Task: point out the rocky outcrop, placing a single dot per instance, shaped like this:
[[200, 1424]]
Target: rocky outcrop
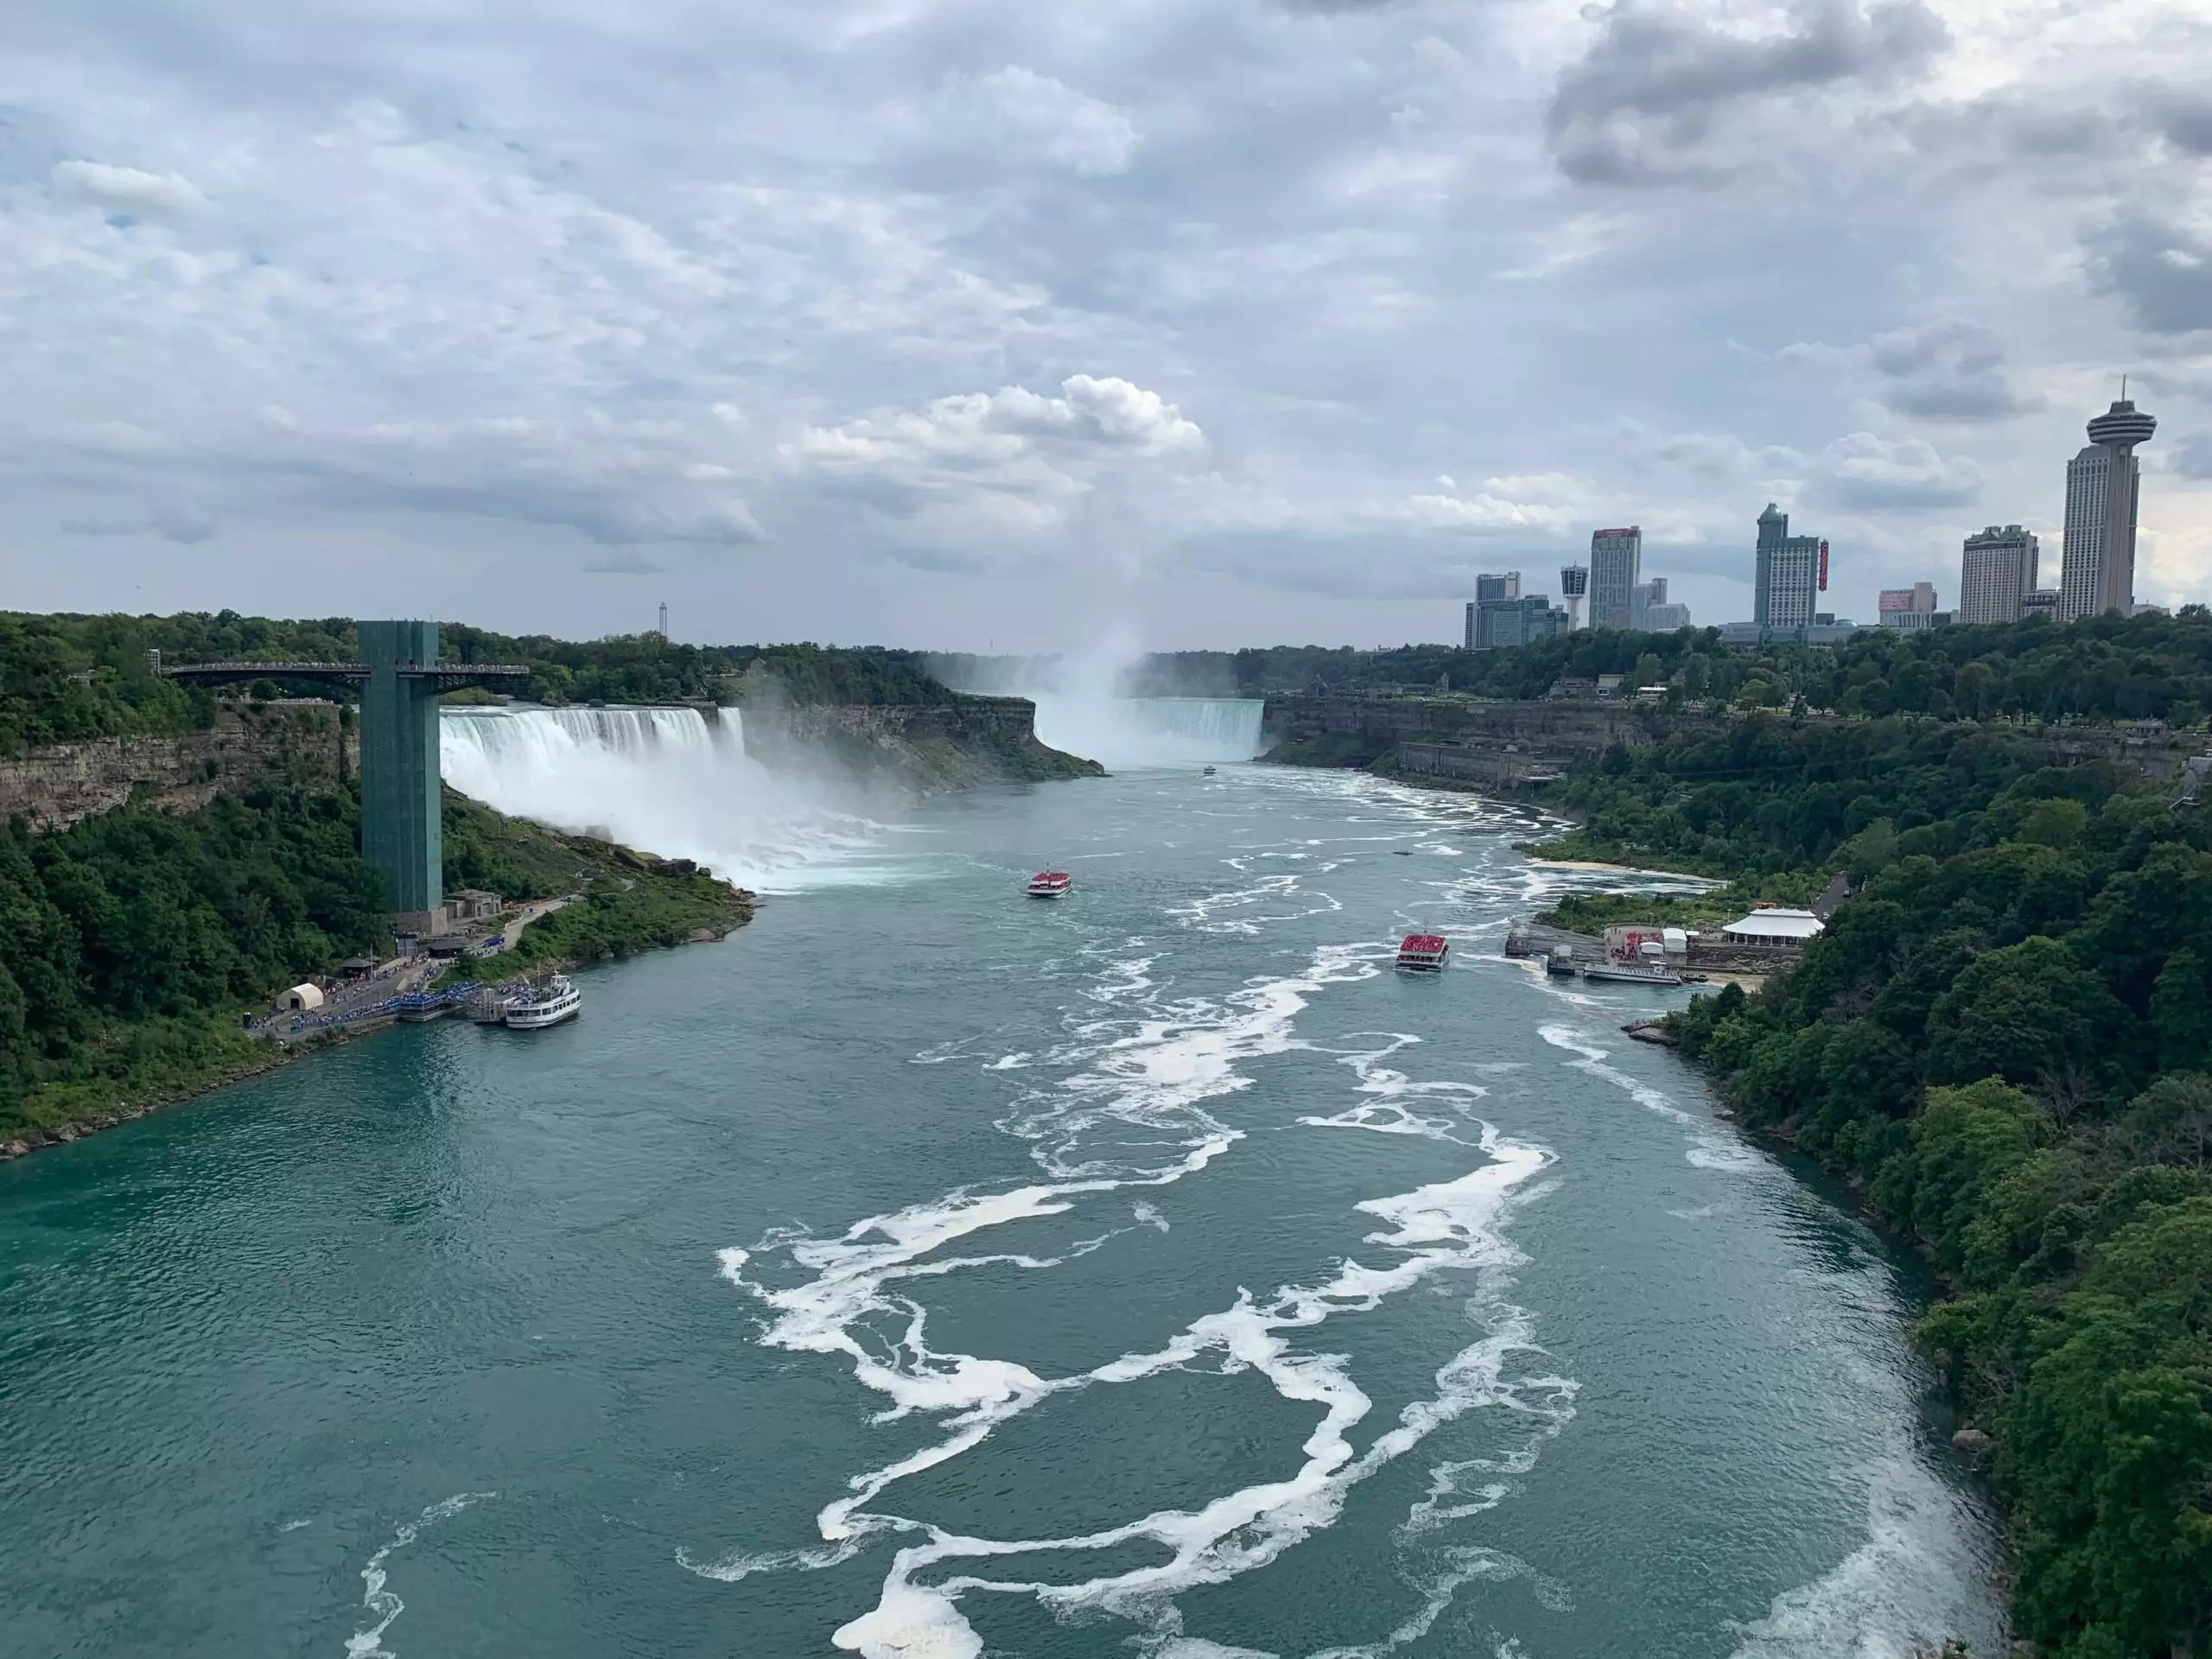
[[53, 787], [928, 748]]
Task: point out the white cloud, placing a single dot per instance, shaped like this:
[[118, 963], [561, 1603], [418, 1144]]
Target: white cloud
[[127, 189], [1016, 453], [1864, 471], [1038, 115]]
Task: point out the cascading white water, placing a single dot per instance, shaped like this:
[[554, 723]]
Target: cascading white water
[[1124, 732], [662, 780]]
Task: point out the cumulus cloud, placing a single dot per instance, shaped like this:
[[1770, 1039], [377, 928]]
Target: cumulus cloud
[[1948, 370], [2193, 458], [1540, 502], [2160, 271], [1644, 104], [1868, 473], [1046, 117], [1022, 455], [126, 189]]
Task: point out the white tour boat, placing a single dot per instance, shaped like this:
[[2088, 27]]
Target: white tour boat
[[536, 1006], [1050, 884]]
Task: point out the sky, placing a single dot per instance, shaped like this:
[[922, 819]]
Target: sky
[[978, 325]]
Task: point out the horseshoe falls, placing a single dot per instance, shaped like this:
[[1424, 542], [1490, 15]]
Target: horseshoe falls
[[1131, 732]]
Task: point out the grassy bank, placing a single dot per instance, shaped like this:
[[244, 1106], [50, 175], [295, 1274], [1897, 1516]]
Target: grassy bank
[[133, 946]]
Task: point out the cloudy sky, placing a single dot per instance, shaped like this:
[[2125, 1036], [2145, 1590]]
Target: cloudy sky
[[972, 323]]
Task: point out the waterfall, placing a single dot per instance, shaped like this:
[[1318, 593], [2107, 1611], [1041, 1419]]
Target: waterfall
[[662, 780], [1126, 732]]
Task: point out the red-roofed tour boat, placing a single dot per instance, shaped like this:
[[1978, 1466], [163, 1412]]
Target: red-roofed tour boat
[[1423, 953], [1050, 884]]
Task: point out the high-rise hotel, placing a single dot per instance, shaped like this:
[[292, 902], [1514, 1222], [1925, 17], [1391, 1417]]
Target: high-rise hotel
[[1615, 563], [2104, 485], [1996, 574], [1791, 569]]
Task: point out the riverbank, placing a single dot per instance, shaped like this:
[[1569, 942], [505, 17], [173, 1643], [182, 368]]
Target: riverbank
[[120, 898]]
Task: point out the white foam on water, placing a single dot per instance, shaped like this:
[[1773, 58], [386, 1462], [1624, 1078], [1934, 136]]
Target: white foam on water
[[1133, 1116], [377, 1595], [664, 780], [1908, 1589], [1715, 1145], [1446, 1225]]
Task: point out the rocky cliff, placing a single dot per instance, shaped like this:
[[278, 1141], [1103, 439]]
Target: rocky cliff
[[54, 787], [929, 748]]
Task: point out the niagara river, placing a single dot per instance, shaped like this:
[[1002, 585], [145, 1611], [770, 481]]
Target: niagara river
[[927, 1271]]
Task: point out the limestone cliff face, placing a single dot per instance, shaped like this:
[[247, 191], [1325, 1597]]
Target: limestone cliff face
[[929, 748], [54, 787]]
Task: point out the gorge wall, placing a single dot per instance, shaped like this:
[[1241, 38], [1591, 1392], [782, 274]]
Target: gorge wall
[[55, 786]]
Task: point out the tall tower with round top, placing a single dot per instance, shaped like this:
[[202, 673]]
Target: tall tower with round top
[[2104, 488]]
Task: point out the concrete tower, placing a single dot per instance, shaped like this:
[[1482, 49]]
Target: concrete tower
[[1574, 583], [2104, 486], [402, 829]]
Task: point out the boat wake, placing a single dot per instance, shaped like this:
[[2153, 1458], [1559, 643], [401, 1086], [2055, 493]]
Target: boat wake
[[1130, 1117]]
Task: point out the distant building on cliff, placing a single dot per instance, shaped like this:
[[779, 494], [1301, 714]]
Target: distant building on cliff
[[1492, 593], [1616, 565], [1789, 572], [1997, 572], [1573, 583], [1911, 608]]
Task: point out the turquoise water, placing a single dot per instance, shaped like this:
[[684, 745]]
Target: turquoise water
[[924, 1270]]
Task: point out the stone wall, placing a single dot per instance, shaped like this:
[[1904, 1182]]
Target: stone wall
[[55, 786]]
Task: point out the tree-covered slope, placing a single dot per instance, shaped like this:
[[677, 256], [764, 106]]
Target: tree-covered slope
[[2006, 1039]]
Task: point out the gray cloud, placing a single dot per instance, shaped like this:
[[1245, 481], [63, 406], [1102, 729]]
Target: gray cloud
[[1642, 106], [2160, 271], [2182, 116], [182, 524], [1951, 371], [2193, 458]]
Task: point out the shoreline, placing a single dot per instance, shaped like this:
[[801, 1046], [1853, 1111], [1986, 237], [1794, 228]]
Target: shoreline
[[277, 1054]]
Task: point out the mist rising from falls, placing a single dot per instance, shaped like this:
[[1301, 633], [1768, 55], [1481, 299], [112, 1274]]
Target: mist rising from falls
[[1127, 732], [662, 780]]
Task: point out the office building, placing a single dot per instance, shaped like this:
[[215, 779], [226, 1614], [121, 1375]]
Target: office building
[[1902, 608], [1910, 609], [1665, 618], [1790, 570], [1573, 583], [1521, 622], [2040, 601], [1490, 593], [1616, 565], [2104, 486], [1996, 574]]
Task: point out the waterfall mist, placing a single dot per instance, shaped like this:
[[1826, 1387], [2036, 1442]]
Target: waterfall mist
[[665, 781], [1079, 709]]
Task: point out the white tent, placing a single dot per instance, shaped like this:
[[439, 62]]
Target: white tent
[[301, 998], [1773, 927]]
